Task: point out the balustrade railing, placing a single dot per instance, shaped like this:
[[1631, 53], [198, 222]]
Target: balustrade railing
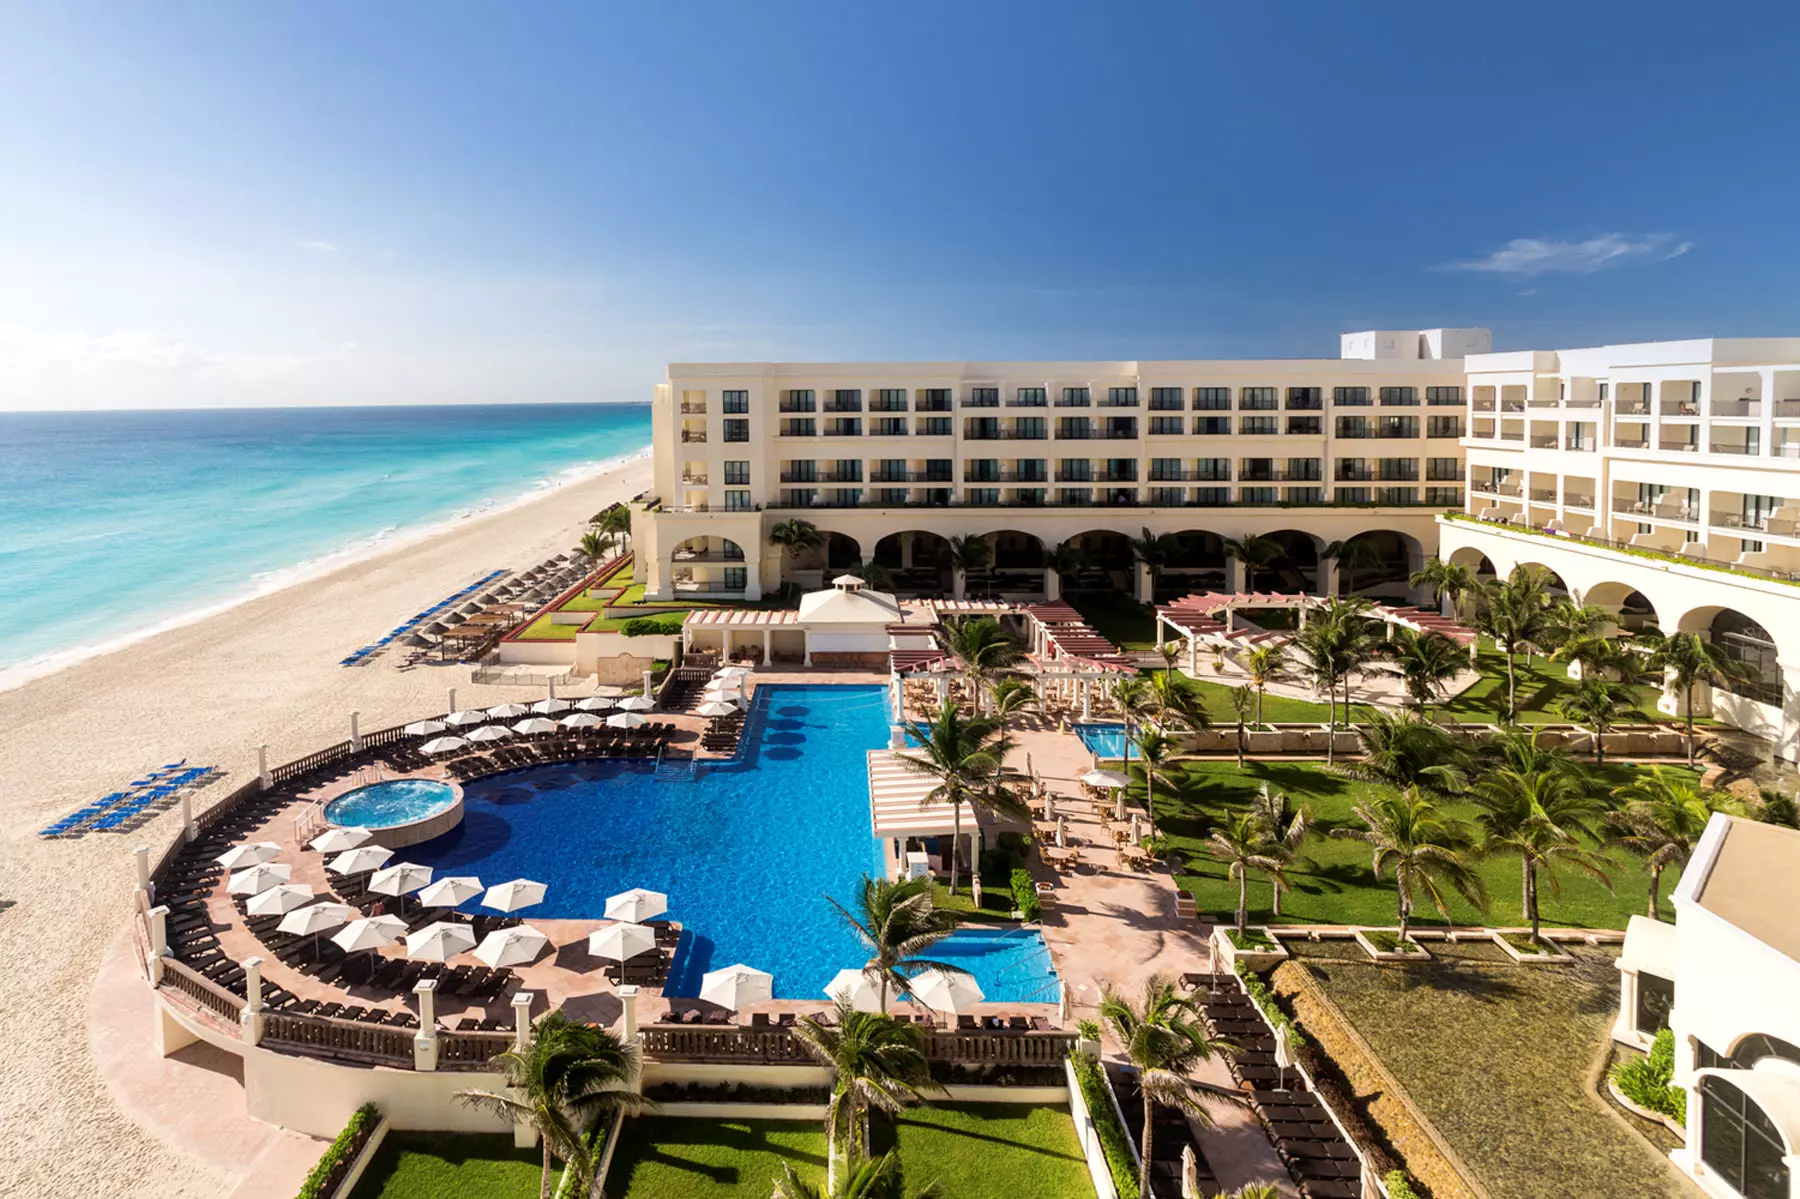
[[205, 993], [733, 1043], [471, 1050], [377, 1043]]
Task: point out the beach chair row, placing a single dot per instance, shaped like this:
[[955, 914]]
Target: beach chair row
[[421, 618], [112, 810]]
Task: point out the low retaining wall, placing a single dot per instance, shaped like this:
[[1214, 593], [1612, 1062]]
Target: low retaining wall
[[813, 1113], [347, 1185], [1098, 1171]]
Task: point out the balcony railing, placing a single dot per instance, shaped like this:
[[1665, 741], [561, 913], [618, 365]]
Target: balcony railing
[[798, 406], [1652, 511], [1512, 405], [693, 480], [1305, 404], [1008, 476], [819, 477], [1005, 435], [1590, 402], [693, 435], [1113, 499], [1543, 443], [1631, 443], [1191, 476], [842, 406], [1543, 495], [1755, 524], [1512, 437], [981, 402], [1509, 490], [692, 409], [1093, 434], [1578, 447], [1631, 408], [1482, 406], [1729, 447], [1787, 409], [1585, 502], [1678, 447], [927, 404], [1074, 402], [1110, 402]]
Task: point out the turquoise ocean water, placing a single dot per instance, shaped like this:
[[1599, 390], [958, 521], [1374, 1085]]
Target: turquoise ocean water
[[114, 522]]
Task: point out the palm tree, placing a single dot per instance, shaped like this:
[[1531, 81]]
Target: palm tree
[[1243, 705], [1131, 695], [878, 1062], [1251, 1190], [1352, 555], [1546, 815], [1571, 629], [1405, 750], [592, 545], [615, 523], [1598, 703], [1066, 560], [1245, 844], [1154, 550], [873, 1178], [877, 576], [1513, 615], [561, 1084], [795, 537], [1256, 553], [1156, 750], [1284, 827], [1177, 701], [969, 555], [986, 651], [1687, 659], [1266, 664], [1011, 698], [1335, 645], [1445, 578], [897, 923], [1427, 661], [1426, 853], [966, 756], [1661, 820], [1164, 1037]]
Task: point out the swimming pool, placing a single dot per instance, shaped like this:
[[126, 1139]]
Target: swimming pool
[[391, 803], [746, 853], [1104, 740]]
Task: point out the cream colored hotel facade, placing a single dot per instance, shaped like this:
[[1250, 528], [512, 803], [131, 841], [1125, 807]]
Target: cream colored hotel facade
[[1660, 479]]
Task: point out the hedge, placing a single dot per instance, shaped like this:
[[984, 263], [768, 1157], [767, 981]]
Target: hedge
[[1398, 1187], [652, 626], [1097, 1094], [1025, 896], [1646, 1080], [336, 1159]]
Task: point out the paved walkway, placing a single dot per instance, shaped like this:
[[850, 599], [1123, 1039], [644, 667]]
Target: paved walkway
[[1109, 927]]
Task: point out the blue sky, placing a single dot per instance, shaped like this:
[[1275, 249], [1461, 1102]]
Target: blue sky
[[335, 203]]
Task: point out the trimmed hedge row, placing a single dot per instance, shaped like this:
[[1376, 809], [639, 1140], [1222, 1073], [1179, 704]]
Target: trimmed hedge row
[[1096, 1093], [336, 1160], [1025, 896]]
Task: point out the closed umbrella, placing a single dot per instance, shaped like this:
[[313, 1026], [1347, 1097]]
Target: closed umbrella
[[511, 946], [626, 720], [313, 920], [580, 720], [279, 900], [449, 892], [490, 732], [636, 905], [728, 672], [508, 711], [511, 896], [1119, 807], [621, 942], [636, 703], [945, 992], [535, 724], [337, 840], [443, 745], [253, 854], [1136, 836], [472, 716], [550, 707], [716, 707], [597, 703], [855, 988], [253, 880], [737, 986], [440, 941], [425, 728], [358, 861], [1062, 832]]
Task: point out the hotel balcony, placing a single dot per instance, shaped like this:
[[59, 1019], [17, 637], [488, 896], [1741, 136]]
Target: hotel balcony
[[1583, 502], [1642, 510], [1631, 408], [1680, 409], [691, 408], [693, 435]]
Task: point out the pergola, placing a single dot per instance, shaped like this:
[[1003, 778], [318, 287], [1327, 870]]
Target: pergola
[[899, 811], [759, 623], [1209, 618]]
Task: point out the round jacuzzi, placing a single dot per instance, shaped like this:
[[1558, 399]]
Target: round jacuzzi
[[399, 812]]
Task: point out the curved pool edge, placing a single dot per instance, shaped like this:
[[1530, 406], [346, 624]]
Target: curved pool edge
[[412, 832]]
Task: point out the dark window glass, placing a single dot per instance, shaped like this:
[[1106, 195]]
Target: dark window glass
[[737, 474], [737, 430], [735, 402]]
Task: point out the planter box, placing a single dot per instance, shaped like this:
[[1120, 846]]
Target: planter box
[[1554, 957], [1679, 1130], [1253, 959], [347, 1184], [1385, 955]]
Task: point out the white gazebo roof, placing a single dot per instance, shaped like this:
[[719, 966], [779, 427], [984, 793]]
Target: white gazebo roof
[[849, 605]]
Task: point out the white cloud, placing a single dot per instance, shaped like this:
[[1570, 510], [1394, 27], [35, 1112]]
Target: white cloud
[[317, 247], [1529, 257]]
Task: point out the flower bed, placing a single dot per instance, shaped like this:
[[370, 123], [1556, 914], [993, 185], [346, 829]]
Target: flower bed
[[1096, 1093], [1521, 948], [336, 1161], [1385, 945]]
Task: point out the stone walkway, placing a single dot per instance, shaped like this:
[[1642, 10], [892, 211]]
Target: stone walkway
[[1108, 927]]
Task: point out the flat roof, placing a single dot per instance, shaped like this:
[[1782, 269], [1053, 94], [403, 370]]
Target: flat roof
[[1755, 883]]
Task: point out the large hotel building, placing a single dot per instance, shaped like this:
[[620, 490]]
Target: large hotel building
[[1650, 478]]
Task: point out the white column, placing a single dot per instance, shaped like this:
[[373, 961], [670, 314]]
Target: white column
[[159, 942], [550, 681], [1328, 573], [262, 767], [1087, 699], [768, 648], [188, 829], [1052, 584], [943, 689], [425, 1042], [649, 687], [906, 551], [251, 1022], [521, 1006], [958, 582], [450, 693], [141, 856], [1141, 585], [1234, 574], [753, 580], [355, 739], [806, 640], [628, 1014], [1159, 631], [1193, 654]]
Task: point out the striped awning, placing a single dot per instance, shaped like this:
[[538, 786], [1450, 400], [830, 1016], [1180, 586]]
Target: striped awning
[[897, 806], [741, 618]]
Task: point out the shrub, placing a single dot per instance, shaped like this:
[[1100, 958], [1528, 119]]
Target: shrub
[[1264, 999], [1250, 939], [999, 860], [1025, 896], [1398, 1185], [1088, 1030], [1646, 1080], [1389, 942], [652, 626], [1096, 1093], [337, 1158]]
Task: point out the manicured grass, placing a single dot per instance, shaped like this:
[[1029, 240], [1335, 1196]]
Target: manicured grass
[[584, 603], [427, 1165], [1120, 619], [1497, 1057], [988, 1151], [1332, 883], [613, 623], [542, 629], [661, 1157], [996, 902]]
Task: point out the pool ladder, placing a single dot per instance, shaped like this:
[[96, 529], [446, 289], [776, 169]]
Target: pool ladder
[[675, 770]]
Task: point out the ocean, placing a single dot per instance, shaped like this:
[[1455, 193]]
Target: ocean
[[117, 521]]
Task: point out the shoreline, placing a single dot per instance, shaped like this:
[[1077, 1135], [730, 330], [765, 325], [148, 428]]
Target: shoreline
[[390, 539]]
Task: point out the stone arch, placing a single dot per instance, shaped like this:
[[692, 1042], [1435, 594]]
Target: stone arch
[[1395, 555], [918, 559], [1014, 550], [1558, 588], [1197, 563], [1746, 641], [1298, 567], [1107, 563], [1479, 564], [1632, 608], [841, 552]]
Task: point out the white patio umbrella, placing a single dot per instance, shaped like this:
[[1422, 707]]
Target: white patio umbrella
[[443, 745], [1136, 836], [399, 879], [714, 686], [449, 892], [1112, 780], [508, 711], [550, 707], [580, 720], [279, 899], [737, 986], [597, 703], [855, 988], [490, 732], [636, 703], [363, 858], [472, 716], [254, 880], [425, 728], [621, 942], [253, 854], [313, 920], [535, 724], [368, 935], [1062, 832], [511, 946], [731, 672], [716, 707], [945, 992], [337, 840], [626, 720], [1119, 807], [440, 941], [636, 905], [511, 896]]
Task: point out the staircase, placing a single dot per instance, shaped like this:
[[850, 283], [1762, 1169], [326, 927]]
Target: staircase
[[676, 770]]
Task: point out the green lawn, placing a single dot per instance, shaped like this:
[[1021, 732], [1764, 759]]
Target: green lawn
[[1120, 619], [542, 629], [662, 1157], [1522, 1038], [1332, 883], [426, 1165], [988, 1151]]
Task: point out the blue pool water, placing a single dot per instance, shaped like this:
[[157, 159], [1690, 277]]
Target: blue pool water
[[1103, 740], [746, 853], [397, 801]]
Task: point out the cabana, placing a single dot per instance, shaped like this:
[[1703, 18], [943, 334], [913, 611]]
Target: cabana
[[899, 814]]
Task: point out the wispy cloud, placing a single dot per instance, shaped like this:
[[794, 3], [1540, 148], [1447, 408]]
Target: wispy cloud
[[317, 247], [1529, 257]]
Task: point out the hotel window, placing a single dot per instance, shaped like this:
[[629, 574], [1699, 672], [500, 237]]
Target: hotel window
[[938, 470], [1074, 470], [1032, 470], [1032, 428], [1740, 1143], [804, 427], [1075, 497], [890, 495], [1213, 469], [889, 399], [1073, 397], [983, 397], [890, 470], [981, 470], [1448, 496], [848, 470], [1209, 425], [1305, 399], [1212, 497], [983, 497], [1302, 468], [737, 430], [1443, 426], [1258, 426], [737, 474], [1166, 425], [1212, 399], [737, 501], [847, 497], [1121, 397], [797, 401], [1303, 495], [1029, 496], [888, 426], [1259, 495], [1029, 397], [735, 402], [1443, 395], [1307, 426], [1396, 497], [1256, 399], [1444, 469], [934, 399], [1399, 426], [934, 426], [801, 470], [845, 399], [1350, 495], [1399, 397], [1165, 470], [843, 426], [1350, 397], [1165, 399], [736, 577], [1167, 497]]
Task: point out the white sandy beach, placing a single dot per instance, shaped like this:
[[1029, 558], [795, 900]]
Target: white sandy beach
[[264, 671]]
